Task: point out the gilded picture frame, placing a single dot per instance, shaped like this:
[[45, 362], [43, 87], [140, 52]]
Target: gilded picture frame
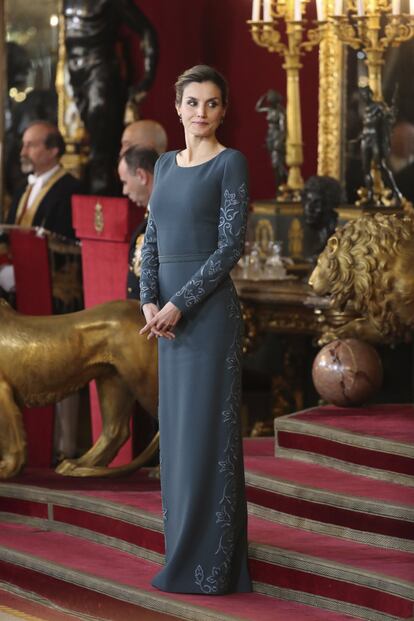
[[332, 103]]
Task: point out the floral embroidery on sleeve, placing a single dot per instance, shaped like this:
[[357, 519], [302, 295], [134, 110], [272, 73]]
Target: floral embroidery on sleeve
[[149, 265]]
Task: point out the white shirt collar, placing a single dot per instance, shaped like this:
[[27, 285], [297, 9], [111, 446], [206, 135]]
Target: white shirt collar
[[42, 179]]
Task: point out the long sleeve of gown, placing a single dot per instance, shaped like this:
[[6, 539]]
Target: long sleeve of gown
[[149, 265], [231, 235]]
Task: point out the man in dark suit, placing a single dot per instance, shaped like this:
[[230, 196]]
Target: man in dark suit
[[46, 200], [136, 171], [144, 135]]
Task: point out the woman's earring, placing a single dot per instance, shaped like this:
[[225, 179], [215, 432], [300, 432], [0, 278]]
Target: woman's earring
[[180, 117], [222, 120]]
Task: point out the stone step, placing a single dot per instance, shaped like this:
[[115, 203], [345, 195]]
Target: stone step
[[285, 562], [96, 581], [17, 603], [375, 441], [329, 501]]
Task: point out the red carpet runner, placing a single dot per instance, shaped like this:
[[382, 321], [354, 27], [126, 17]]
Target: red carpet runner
[[331, 532]]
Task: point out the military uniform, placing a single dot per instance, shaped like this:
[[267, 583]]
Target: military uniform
[[134, 260]]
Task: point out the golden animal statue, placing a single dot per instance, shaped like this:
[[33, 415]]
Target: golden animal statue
[[367, 267], [44, 359]]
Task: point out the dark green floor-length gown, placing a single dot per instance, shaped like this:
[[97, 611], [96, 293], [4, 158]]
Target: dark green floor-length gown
[[195, 235]]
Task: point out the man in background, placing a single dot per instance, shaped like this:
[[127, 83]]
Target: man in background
[[46, 200], [146, 134], [136, 171]]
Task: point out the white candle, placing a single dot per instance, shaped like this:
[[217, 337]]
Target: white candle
[[360, 8], [411, 7], [297, 14], [256, 10], [266, 11], [338, 8], [396, 7], [320, 14]]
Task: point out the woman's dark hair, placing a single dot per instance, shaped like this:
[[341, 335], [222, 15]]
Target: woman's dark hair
[[201, 73]]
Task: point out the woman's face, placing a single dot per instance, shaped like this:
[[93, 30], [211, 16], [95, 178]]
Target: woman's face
[[201, 109]]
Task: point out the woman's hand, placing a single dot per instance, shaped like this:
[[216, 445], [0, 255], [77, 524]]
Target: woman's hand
[[149, 310], [160, 323]]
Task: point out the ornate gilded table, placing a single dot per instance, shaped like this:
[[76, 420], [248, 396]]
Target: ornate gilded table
[[290, 309]]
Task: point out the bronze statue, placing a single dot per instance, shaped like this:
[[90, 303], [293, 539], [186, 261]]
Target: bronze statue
[[96, 73], [366, 268], [43, 359], [271, 104], [321, 195], [378, 119]]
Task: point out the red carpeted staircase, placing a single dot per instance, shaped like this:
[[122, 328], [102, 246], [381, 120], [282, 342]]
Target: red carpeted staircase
[[331, 530]]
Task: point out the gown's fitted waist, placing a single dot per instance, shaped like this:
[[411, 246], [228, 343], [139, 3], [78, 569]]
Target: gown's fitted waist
[[180, 258]]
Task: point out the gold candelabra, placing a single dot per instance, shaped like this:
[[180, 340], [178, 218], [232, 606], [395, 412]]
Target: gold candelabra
[[70, 125], [373, 25], [266, 32]]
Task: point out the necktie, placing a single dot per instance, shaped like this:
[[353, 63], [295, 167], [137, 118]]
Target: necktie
[[25, 200]]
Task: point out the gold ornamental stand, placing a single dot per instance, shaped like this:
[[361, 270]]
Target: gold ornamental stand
[[69, 121], [373, 26], [266, 32]]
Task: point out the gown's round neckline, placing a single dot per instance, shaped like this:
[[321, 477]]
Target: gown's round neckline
[[202, 163]]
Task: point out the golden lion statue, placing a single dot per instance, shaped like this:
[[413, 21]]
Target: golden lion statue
[[367, 266], [43, 359]]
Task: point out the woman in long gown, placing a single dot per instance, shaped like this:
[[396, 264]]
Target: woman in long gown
[[195, 235]]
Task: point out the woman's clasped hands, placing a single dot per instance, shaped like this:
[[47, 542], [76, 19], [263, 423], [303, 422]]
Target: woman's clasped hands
[[160, 322]]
